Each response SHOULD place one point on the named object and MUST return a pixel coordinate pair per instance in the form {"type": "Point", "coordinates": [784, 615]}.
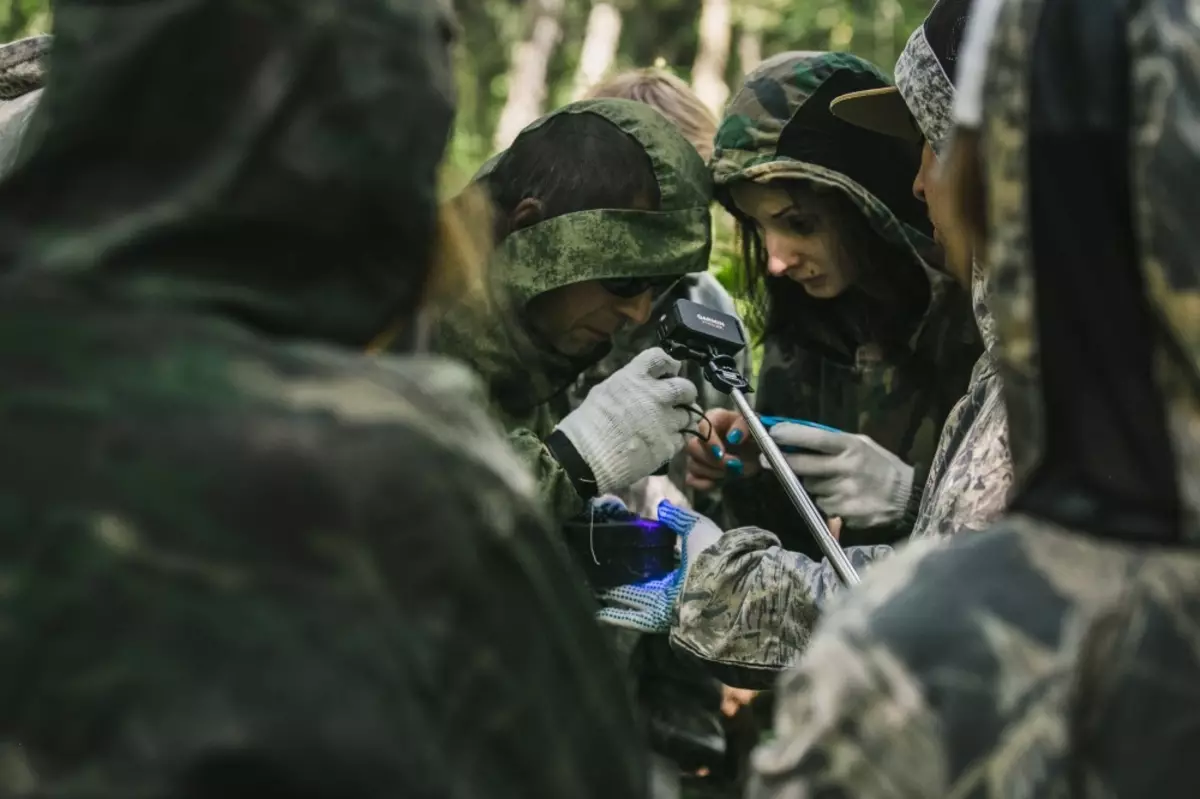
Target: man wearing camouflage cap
{"type": "Point", "coordinates": [602, 205]}
{"type": "Point", "coordinates": [240, 557]}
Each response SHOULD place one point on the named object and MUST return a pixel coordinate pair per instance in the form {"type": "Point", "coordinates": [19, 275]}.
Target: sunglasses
{"type": "Point", "coordinates": [630, 287]}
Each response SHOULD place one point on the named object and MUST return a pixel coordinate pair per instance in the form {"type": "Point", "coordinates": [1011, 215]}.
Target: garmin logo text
{"type": "Point", "coordinates": [709, 320]}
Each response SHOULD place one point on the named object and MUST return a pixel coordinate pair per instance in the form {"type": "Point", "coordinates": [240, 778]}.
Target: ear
{"type": "Point", "coordinates": [527, 213]}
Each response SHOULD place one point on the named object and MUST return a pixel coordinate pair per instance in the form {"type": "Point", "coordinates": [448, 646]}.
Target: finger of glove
{"type": "Point", "coordinates": [674, 391]}
{"type": "Point", "coordinates": [679, 520]}
{"type": "Point", "coordinates": [608, 503]}
{"type": "Point", "coordinates": [642, 621]}
{"type": "Point", "coordinates": [628, 597]}
{"type": "Point", "coordinates": [787, 434]}
{"type": "Point", "coordinates": [656, 363]}
{"type": "Point", "coordinates": [810, 465]}
{"type": "Point", "coordinates": [828, 487]}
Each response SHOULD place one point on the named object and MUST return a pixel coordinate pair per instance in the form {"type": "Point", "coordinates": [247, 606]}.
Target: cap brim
{"type": "Point", "coordinates": [879, 110]}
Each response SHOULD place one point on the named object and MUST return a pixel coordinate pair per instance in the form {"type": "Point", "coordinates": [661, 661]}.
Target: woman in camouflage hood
{"type": "Point", "coordinates": [240, 557]}
{"type": "Point", "coordinates": [860, 333]}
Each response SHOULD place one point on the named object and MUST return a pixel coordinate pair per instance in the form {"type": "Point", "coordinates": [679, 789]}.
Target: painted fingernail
{"type": "Point", "coordinates": [735, 437]}
{"type": "Point", "coordinates": [734, 466]}
{"type": "Point", "coordinates": [716, 451]}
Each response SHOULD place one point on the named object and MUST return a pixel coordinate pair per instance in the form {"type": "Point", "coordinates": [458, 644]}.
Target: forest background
{"type": "Point", "coordinates": [521, 58]}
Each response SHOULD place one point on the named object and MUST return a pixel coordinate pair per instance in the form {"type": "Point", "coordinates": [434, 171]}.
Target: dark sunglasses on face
{"type": "Point", "coordinates": [630, 287]}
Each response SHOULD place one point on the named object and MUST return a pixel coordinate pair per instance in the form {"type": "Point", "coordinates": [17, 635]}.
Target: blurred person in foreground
{"type": "Point", "coordinates": [240, 557]}
{"type": "Point", "coordinates": [1055, 653]}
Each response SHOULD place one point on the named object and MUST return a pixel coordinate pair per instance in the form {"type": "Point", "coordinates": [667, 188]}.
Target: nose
{"type": "Point", "coordinates": [637, 309]}
{"type": "Point", "coordinates": [918, 187]}
{"type": "Point", "coordinates": [780, 258]}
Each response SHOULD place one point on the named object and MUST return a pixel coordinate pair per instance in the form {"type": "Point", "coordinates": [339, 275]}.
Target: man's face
{"type": "Point", "coordinates": [929, 187]}
{"type": "Point", "coordinates": [578, 317]}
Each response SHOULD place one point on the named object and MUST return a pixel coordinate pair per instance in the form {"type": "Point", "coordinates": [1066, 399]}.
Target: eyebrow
{"type": "Point", "coordinates": [784, 210]}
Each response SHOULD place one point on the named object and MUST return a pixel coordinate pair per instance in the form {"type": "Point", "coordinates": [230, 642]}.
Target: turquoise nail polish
{"type": "Point", "coordinates": [734, 466]}
{"type": "Point", "coordinates": [735, 437]}
{"type": "Point", "coordinates": [716, 451]}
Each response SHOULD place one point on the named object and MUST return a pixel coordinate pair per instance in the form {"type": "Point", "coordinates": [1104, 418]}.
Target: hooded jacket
{"type": "Point", "coordinates": [971, 471]}
{"type": "Point", "coordinates": [239, 556]}
{"type": "Point", "coordinates": [524, 374]}
{"type": "Point", "coordinates": [1054, 654]}
{"type": "Point", "coordinates": [900, 402]}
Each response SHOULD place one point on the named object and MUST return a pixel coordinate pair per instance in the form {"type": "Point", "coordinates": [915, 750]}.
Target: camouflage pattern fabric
{"type": "Point", "coordinates": [524, 375]}
{"type": "Point", "coordinates": [898, 404]}
{"type": "Point", "coordinates": [239, 557]}
{"type": "Point", "coordinates": [749, 605]}
{"type": "Point", "coordinates": [971, 477]}
{"type": "Point", "coordinates": [22, 74]}
{"type": "Point", "coordinates": [1030, 660]}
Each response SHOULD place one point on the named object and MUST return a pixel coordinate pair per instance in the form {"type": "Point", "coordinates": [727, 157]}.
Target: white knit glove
{"type": "Point", "coordinates": [632, 423]}
{"type": "Point", "coordinates": [848, 475]}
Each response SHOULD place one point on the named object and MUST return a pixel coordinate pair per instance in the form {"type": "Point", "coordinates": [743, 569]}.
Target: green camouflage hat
{"type": "Point", "coordinates": [674, 239]}
{"type": "Point", "coordinates": [748, 142]}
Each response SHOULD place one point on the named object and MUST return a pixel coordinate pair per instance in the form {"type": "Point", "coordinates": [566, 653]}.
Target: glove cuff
{"type": "Point", "coordinates": [903, 491]}
{"type": "Point", "coordinates": [602, 448]}
{"type": "Point", "coordinates": [681, 520]}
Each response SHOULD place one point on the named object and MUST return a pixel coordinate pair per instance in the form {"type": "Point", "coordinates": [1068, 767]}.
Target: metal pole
{"type": "Point", "coordinates": [796, 492]}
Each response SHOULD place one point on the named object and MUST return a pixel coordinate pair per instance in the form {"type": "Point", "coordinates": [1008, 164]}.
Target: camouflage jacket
{"type": "Point", "coordinates": [900, 402]}
{"type": "Point", "coordinates": [238, 556]}
{"type": "Point", "coordinates": [22, 75]}
{"type": "Point", "coordinates": [1032, 659]}
{"type": "Point", "coordinates": [525, 378]}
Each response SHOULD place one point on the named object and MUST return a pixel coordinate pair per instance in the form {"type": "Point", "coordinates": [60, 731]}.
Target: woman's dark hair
{"type": "Point", "coordinates": [573, 162]}
{"type": "Point", "coordinates": [888, 298]}
{"type": "Point", "coordinates": [891, 292]}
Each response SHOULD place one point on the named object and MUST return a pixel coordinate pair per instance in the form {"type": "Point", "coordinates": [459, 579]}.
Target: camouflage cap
{"type": "Point", "coordinates": [22, 75]}
{"type": "Point", "coordinates": [287, 175]}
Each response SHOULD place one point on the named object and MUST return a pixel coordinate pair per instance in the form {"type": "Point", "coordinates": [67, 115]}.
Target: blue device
{"type": "Point", "coordinates": [770, 421]}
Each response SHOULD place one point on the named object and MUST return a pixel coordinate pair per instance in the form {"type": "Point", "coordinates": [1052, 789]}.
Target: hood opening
{"type": "Point", "coordinates": [1107, 466]}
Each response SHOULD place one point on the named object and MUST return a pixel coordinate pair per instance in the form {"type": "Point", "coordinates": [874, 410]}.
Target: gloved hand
{"type": "Point", "coordinates": [649, 607]}
{"type": "Point", "coordinates": [633, 422]}
{"type": "Point", "coordinates": [848, 475]}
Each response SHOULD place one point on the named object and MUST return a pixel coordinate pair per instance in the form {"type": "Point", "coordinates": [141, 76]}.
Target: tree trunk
{"type": "Point", "coordinates": [708, 71]}
{"type": "Point", "coordinates": [527, 70]}
{"type": "Point", "coordinates": [599, 46]}
{"type": "Point", "coordinates": [749, 50]}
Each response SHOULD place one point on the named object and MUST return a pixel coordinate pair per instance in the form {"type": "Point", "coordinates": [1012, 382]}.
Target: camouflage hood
{"type": "Point", "coordinates": [1162, 157]}
{"type": "Point", "coordinates": [277, 178]}
{"type": "Point", "coordinates": [22, 75]}
{"type": "Point", "coordinates": [779, 127]}
{"type": "Point", "coordinates": [523, 372]}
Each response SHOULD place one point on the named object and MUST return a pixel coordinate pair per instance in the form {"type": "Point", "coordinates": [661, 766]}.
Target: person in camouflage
{"type": "Point", "coordinates": [861, 332]}
{"type": "Point", "coordinates": [22, 75]}
{"type": "Point", "coordinates": [1055, 653]}
{"type": "Point", "coordinates": [971, 472]}
{"type": "Point", "coordinates": [241, 557]}
{"type": "Point", "coordinates": [602, 205]}
{"type": "Point", "coordinates": [675, 100]}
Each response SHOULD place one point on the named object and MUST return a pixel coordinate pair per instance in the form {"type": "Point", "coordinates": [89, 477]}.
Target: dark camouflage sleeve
{"type": "Point", "coordinates": [554, 485]}
{"type": "Point", "coordinates": [749, 606]}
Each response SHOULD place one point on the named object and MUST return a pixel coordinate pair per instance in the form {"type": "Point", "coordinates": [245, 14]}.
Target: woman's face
{"type": "Point", "coordinates": [800, 238]}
